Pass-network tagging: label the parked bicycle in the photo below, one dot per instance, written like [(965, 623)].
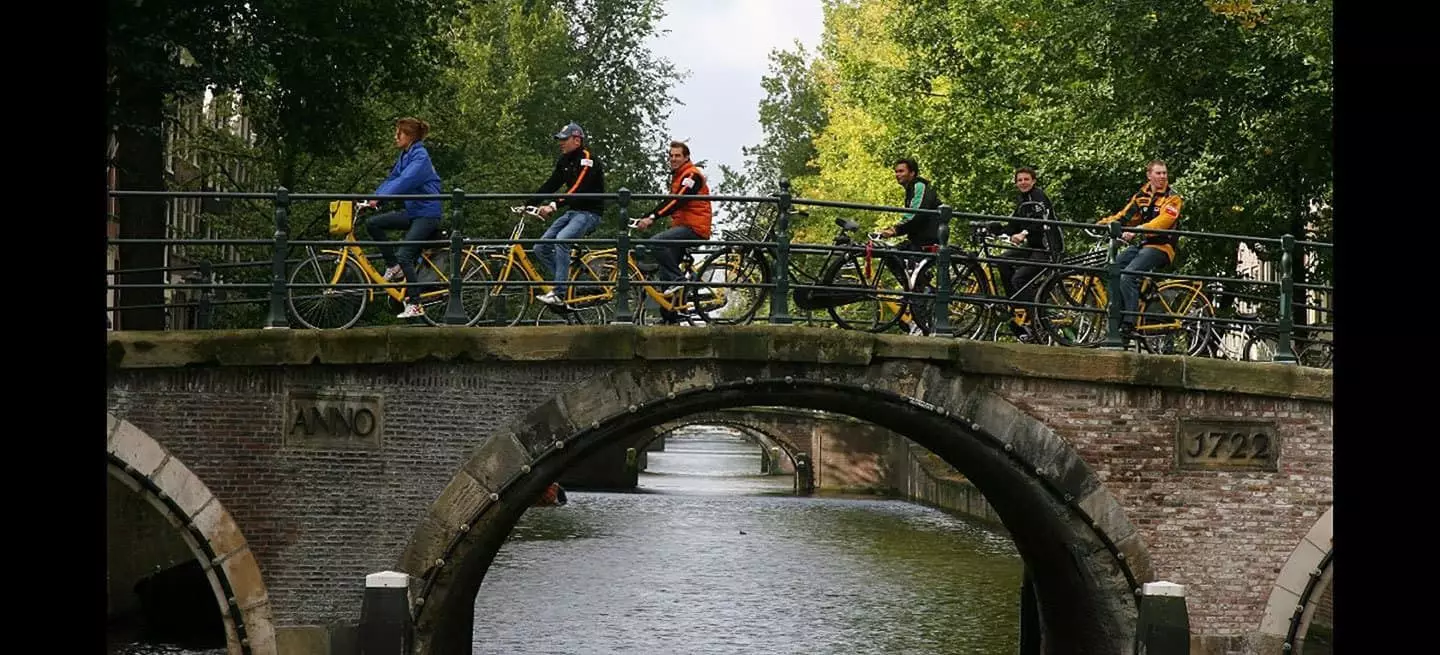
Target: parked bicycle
[(339, 283)]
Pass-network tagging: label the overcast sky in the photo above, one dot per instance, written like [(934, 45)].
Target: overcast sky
[(725, 45)]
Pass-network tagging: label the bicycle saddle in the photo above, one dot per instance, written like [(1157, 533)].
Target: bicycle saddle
[(847, 224)]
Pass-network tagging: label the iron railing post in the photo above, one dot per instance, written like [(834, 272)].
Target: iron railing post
[(940, 322), (1284, 351), (780, 300), (622, 262), (277, 318), (1113, 339), (455, 308), (202, 313)]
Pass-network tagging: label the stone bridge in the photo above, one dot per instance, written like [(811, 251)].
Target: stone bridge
[(835, 452), (298, 462)]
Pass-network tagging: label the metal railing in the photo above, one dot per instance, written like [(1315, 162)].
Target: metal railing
[(777, 252)]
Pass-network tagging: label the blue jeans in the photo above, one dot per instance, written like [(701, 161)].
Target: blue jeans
[(668, 257), (416, 229), (1136, 259), (573, 224)]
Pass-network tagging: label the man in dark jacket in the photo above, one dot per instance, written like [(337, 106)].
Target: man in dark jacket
[(1035, 241), (921, 231), (576, 171)]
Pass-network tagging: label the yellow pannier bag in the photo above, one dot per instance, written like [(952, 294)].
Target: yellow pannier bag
[(342, 217)]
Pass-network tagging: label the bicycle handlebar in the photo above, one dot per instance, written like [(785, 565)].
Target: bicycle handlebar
[(528, 210)]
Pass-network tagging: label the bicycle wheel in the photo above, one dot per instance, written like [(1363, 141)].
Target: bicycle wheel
[(1184, 303), (1079, 318), (510, 300), (735, 305), (589, 295), (321, 308), (1316, 354), (969, 317), (1261, 346), (872, 309), (473, 298)]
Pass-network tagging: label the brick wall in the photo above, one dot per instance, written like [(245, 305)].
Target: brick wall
[(319, 521), (1223, 534)]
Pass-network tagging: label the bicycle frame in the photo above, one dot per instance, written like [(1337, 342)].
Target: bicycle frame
[(516, 254), (994, 282), (352, 251)]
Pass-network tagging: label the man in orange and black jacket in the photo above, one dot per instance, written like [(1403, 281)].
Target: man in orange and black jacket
[(1155, 207), (689, 219)]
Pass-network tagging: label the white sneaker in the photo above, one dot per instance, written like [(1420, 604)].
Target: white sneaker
[(672, 290), (392, 273), (915, 330), (411, 311), (549, 298)]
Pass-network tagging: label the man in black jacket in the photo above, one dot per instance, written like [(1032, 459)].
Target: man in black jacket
[(576, 171), (1035, 241)]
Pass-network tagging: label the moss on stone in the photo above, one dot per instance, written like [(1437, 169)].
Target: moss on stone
[(746, 343)]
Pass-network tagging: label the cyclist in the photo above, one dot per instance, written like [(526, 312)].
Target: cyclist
[(1035, 242), (921, 231), (689, 219), (413, 173), (576, 171), (1156, 206)]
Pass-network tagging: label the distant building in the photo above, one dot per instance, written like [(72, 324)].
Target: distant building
[(187, 168)]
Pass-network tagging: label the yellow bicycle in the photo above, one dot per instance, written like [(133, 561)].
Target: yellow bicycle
[(1172, 316), (330, 288), (592, 286)]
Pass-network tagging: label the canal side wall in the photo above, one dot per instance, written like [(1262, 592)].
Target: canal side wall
[(918, 475)]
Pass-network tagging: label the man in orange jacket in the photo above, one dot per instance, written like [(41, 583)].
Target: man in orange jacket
[(1155, 207), (689, 219)]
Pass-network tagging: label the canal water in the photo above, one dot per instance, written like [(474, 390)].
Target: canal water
[(710, 558)]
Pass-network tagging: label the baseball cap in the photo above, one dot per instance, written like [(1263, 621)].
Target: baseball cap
[(573, 129)]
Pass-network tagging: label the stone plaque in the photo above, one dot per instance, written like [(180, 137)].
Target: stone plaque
[(1227, 444), (332, 420)]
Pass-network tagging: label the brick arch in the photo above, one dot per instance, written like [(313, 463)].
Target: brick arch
[(143, 465), (1299, 586), (755, 433), (1087, 558)]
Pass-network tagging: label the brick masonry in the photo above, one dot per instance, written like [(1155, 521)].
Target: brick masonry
[(1223, 534), (317, 521)]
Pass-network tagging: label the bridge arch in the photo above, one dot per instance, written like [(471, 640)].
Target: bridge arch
[(757, 434), (139, 462), (1297, 590), (1086, 557)]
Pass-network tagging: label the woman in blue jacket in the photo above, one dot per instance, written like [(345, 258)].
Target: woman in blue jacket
[(413, 174)]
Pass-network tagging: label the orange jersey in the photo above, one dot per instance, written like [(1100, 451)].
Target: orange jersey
[(694, 214), (1152, 211)]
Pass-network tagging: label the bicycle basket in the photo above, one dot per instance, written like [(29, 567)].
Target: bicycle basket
[(1090, 258), (342, 217)]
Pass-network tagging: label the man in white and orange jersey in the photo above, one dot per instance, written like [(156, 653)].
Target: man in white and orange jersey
[(689, 218)]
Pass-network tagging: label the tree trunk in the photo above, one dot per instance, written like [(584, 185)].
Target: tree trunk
[(140, 166)]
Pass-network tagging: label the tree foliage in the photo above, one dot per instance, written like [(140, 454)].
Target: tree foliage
[(322, 82), (1235, 95)]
